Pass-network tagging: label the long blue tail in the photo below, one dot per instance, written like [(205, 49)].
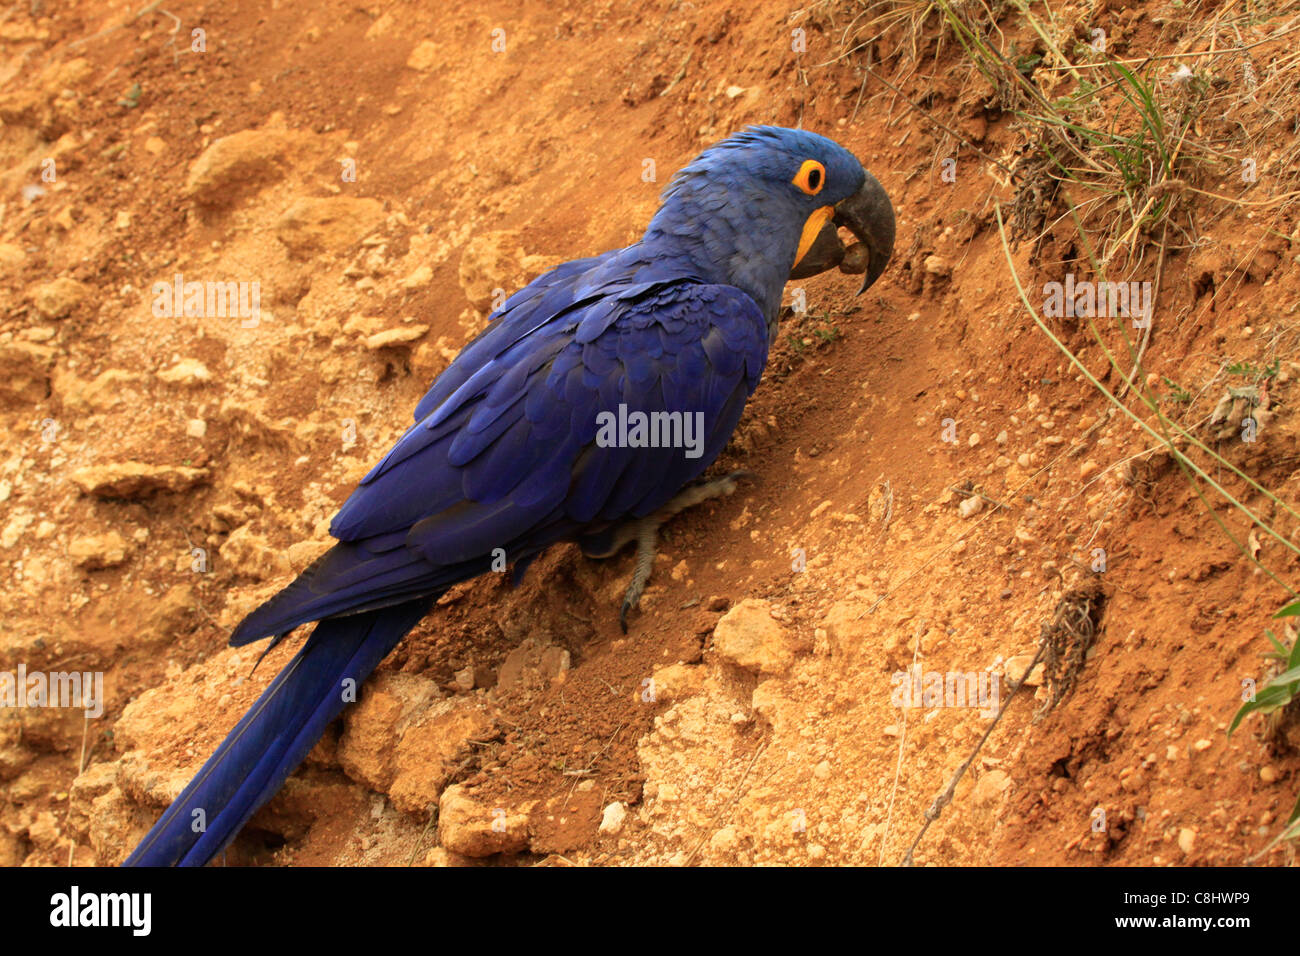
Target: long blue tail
[(275, 735)]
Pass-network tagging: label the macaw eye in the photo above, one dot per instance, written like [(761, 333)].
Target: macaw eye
[(811, 177)]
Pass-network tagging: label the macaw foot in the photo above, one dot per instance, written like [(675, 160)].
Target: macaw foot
[(645, 532)]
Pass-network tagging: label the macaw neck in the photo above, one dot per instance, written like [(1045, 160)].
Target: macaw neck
[(741, 244)]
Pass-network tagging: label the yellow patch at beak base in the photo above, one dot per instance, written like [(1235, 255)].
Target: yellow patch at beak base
[(811, 228)]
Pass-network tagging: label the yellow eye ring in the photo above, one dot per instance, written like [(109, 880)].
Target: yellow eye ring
[(811, 177)]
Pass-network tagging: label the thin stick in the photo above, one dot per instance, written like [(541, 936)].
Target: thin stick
[(945, 797)]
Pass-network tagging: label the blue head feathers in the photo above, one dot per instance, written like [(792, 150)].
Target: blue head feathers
[(741, 208)]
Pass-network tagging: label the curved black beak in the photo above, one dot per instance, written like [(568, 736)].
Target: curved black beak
[(869, 215)]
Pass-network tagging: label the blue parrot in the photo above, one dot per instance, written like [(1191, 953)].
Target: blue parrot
[(514, 446)]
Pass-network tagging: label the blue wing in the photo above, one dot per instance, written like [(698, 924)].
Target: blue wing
[(504, 454)]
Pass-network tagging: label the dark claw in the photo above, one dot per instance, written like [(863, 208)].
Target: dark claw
[(622, 616)]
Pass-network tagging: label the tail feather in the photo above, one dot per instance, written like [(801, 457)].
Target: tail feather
[(275, 735), (349, 578)]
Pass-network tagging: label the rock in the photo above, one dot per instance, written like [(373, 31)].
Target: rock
[(314, 226), (424, 57), (44, 832), (724, 840), (14, 756), (135, 479), (419, 278), (12, 258), (56, 299), (969, 507), (847, 629), (938, 266), (748, 637), (371, 733), (990, 787), (109, 388), (369, 747), (116, 826), (95, 781), (1015, 668), (186, 372), (26, 107), (672, 684), (174, 614), (303, 553), (402, 335), (613, 818), (15, 528), (1186, 840), (236, 165), (532, 664), (363, 325), (251, 555), (534, 265), (95, 552), (772, 703), (23, 33), (25, 372), (490, 262), (476, 829), (431, 749), (55, 728)]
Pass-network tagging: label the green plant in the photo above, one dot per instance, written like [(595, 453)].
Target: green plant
[(1253, 371), (1278, 692), (1176, 392)]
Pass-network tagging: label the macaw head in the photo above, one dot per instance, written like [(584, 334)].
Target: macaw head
[(763, 206)]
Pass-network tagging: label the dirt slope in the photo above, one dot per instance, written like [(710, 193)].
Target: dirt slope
[(163, 474)]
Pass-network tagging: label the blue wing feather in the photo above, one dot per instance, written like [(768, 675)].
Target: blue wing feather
[(505, 455)]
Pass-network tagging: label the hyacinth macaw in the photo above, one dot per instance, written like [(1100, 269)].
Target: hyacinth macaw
[(507, 454)]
